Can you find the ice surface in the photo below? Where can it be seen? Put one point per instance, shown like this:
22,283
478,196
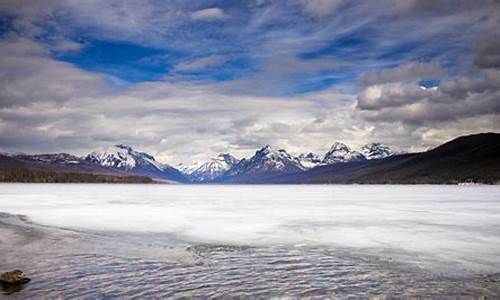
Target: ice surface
459,224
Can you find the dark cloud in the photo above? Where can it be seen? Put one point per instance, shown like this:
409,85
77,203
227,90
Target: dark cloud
390,95
451,100
444,6
488,50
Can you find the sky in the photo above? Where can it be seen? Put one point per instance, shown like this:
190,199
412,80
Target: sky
185,80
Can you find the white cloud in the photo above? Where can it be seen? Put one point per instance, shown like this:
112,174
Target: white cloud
63,45
209,14
52,106
29,75
200,63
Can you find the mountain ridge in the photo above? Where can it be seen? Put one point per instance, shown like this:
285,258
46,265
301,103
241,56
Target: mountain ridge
472,158
211,169
266,162
466,159
124,158
52,168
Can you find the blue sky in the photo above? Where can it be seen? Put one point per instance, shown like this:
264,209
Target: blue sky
246,36
356,65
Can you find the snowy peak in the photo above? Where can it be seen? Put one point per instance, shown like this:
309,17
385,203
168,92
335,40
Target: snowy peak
339,147
227,158
57,158
270,157
212,168
376,151
340,152
267,150
134,153
309,160
265,161
123,146
125,158
118,157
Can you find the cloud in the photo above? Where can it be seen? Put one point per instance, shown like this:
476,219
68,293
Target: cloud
200,63
390,95
411,71
278,76
50,106
186,122
453,99
320,7
442,6
209,14
488,50
295,75
29,75
63,45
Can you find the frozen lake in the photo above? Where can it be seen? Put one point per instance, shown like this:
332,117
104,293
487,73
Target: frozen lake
426,231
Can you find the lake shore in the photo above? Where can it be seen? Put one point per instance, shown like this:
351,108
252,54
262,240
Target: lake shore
70,263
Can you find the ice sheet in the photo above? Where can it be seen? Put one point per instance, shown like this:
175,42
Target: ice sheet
455,223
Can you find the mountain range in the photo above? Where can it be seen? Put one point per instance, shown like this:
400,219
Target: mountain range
473,158
210,170
61,167
127,160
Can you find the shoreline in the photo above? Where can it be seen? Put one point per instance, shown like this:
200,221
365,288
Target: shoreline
155,181
39,250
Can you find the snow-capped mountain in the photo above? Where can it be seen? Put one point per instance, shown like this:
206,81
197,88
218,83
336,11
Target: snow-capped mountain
309,160
56,158
188,169
340,152
63,162
211,169
266,162
376,151
124,158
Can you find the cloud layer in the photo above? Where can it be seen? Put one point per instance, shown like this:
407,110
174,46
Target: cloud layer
185,81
